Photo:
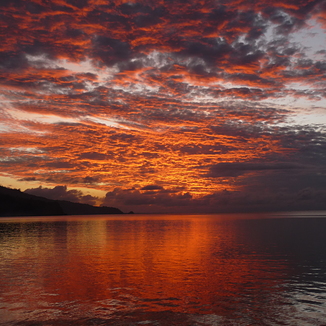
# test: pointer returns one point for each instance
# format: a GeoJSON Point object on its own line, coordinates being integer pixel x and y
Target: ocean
{"type": "Point", "coordinates": [233, 269]}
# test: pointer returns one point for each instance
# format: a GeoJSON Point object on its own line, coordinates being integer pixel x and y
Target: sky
{"type": "Point", "coordinates": [165, 106]}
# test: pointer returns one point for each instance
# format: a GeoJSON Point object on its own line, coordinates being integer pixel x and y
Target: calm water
{"type": "Point", "coordinates": [163, 270]}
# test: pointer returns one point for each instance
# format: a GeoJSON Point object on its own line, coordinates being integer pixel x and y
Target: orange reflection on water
{"type": "Point", "coordinates": [103, 266]}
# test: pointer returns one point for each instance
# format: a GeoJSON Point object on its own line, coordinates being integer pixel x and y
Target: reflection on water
{"type": "Point", "coordinates": [163, 270]}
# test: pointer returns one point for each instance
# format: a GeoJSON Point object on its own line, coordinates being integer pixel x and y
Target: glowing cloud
{"type": "Point", "coordinates": [151, 101]}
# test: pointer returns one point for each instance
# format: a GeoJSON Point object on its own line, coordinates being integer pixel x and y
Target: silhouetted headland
{"type": "Point", "coordinates": [16, 203]}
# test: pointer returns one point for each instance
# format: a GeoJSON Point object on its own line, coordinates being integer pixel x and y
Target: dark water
{"type": "Point", "coordinates": [163, 270]}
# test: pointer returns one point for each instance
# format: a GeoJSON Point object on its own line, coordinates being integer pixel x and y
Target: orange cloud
{"type": "Point", "coordinates": [132, 93]}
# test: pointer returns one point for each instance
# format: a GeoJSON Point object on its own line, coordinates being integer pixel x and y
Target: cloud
{"type": "Point", "coordinates": [62, 193]}
{"type": "Point", "coordinates": [200, 96]}
{"type": "Point", "coordinates": [109, 50]}
{"type": "Point", "coordinates": [152, 187]}
{"type": "Point", "coordinates": [93, 156]}
{"type": "Point", "coordinates": [258, 200]}
{"type": "Point", "coordinates": [264, 200]}
{"type": "Point", "coordinates": [146, 201]}
{"type": "Point", "coordinates": [235, 169]}
{"type": "Point", "coordinates": [91, 180]}
{"type": "Point", "coordinates": [28, 179]}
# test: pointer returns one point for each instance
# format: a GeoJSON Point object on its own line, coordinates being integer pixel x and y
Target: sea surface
{"type": "Point", "coordinates": [253, 269]}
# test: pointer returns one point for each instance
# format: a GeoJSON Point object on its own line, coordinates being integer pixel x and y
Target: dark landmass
{"type": "Point", "coordinates": [16, 203]}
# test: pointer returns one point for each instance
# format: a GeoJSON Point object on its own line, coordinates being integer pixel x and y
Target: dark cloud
{"type": "Point", "coordinates": [152, 187]}
{"type": "Point", "coordinates": [12, 61]}
{"type": "Point", "coordinates": [93, 156]}
{"type": "Point", "coordinates": [236, 169]}
{"type": "Point", "coordinates": [211, 51]}
{"type": "Point", "coordinates": [91, 180]}
{"type": "Point", "coordinates": [218, 202]}
{"type": "Point", "coordinates": [142, 201]}
{"type": "Point", "coordinates": [110, 51]}
{"type": "Point", "coordinates": [62, 193]}
{"type": "Point", "coordinates": [197, 149]}
{"type": "Point", "coordinates": [28, 179]}
{"type": "Point", "coordinates": [265, 200]}
{"type": "Point", "coordinates": [60, 165]}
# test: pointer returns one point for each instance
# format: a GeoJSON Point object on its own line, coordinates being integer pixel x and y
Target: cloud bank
{"type": "Point", "coordinates": [166, 104]}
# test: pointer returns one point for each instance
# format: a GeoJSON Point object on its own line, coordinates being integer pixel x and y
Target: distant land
{"type": "Point", "coordinates": [13, 202]}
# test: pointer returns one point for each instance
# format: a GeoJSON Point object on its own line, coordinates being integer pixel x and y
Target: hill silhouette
{"type": "Point", "coordinates": [13, 202]}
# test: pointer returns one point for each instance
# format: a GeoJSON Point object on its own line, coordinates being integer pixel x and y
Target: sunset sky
{"type": "Point", "coordinates": [165, 105]}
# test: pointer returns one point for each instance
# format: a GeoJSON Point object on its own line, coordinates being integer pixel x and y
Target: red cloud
{"type": "Point", "coordinates": [169, 89]}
